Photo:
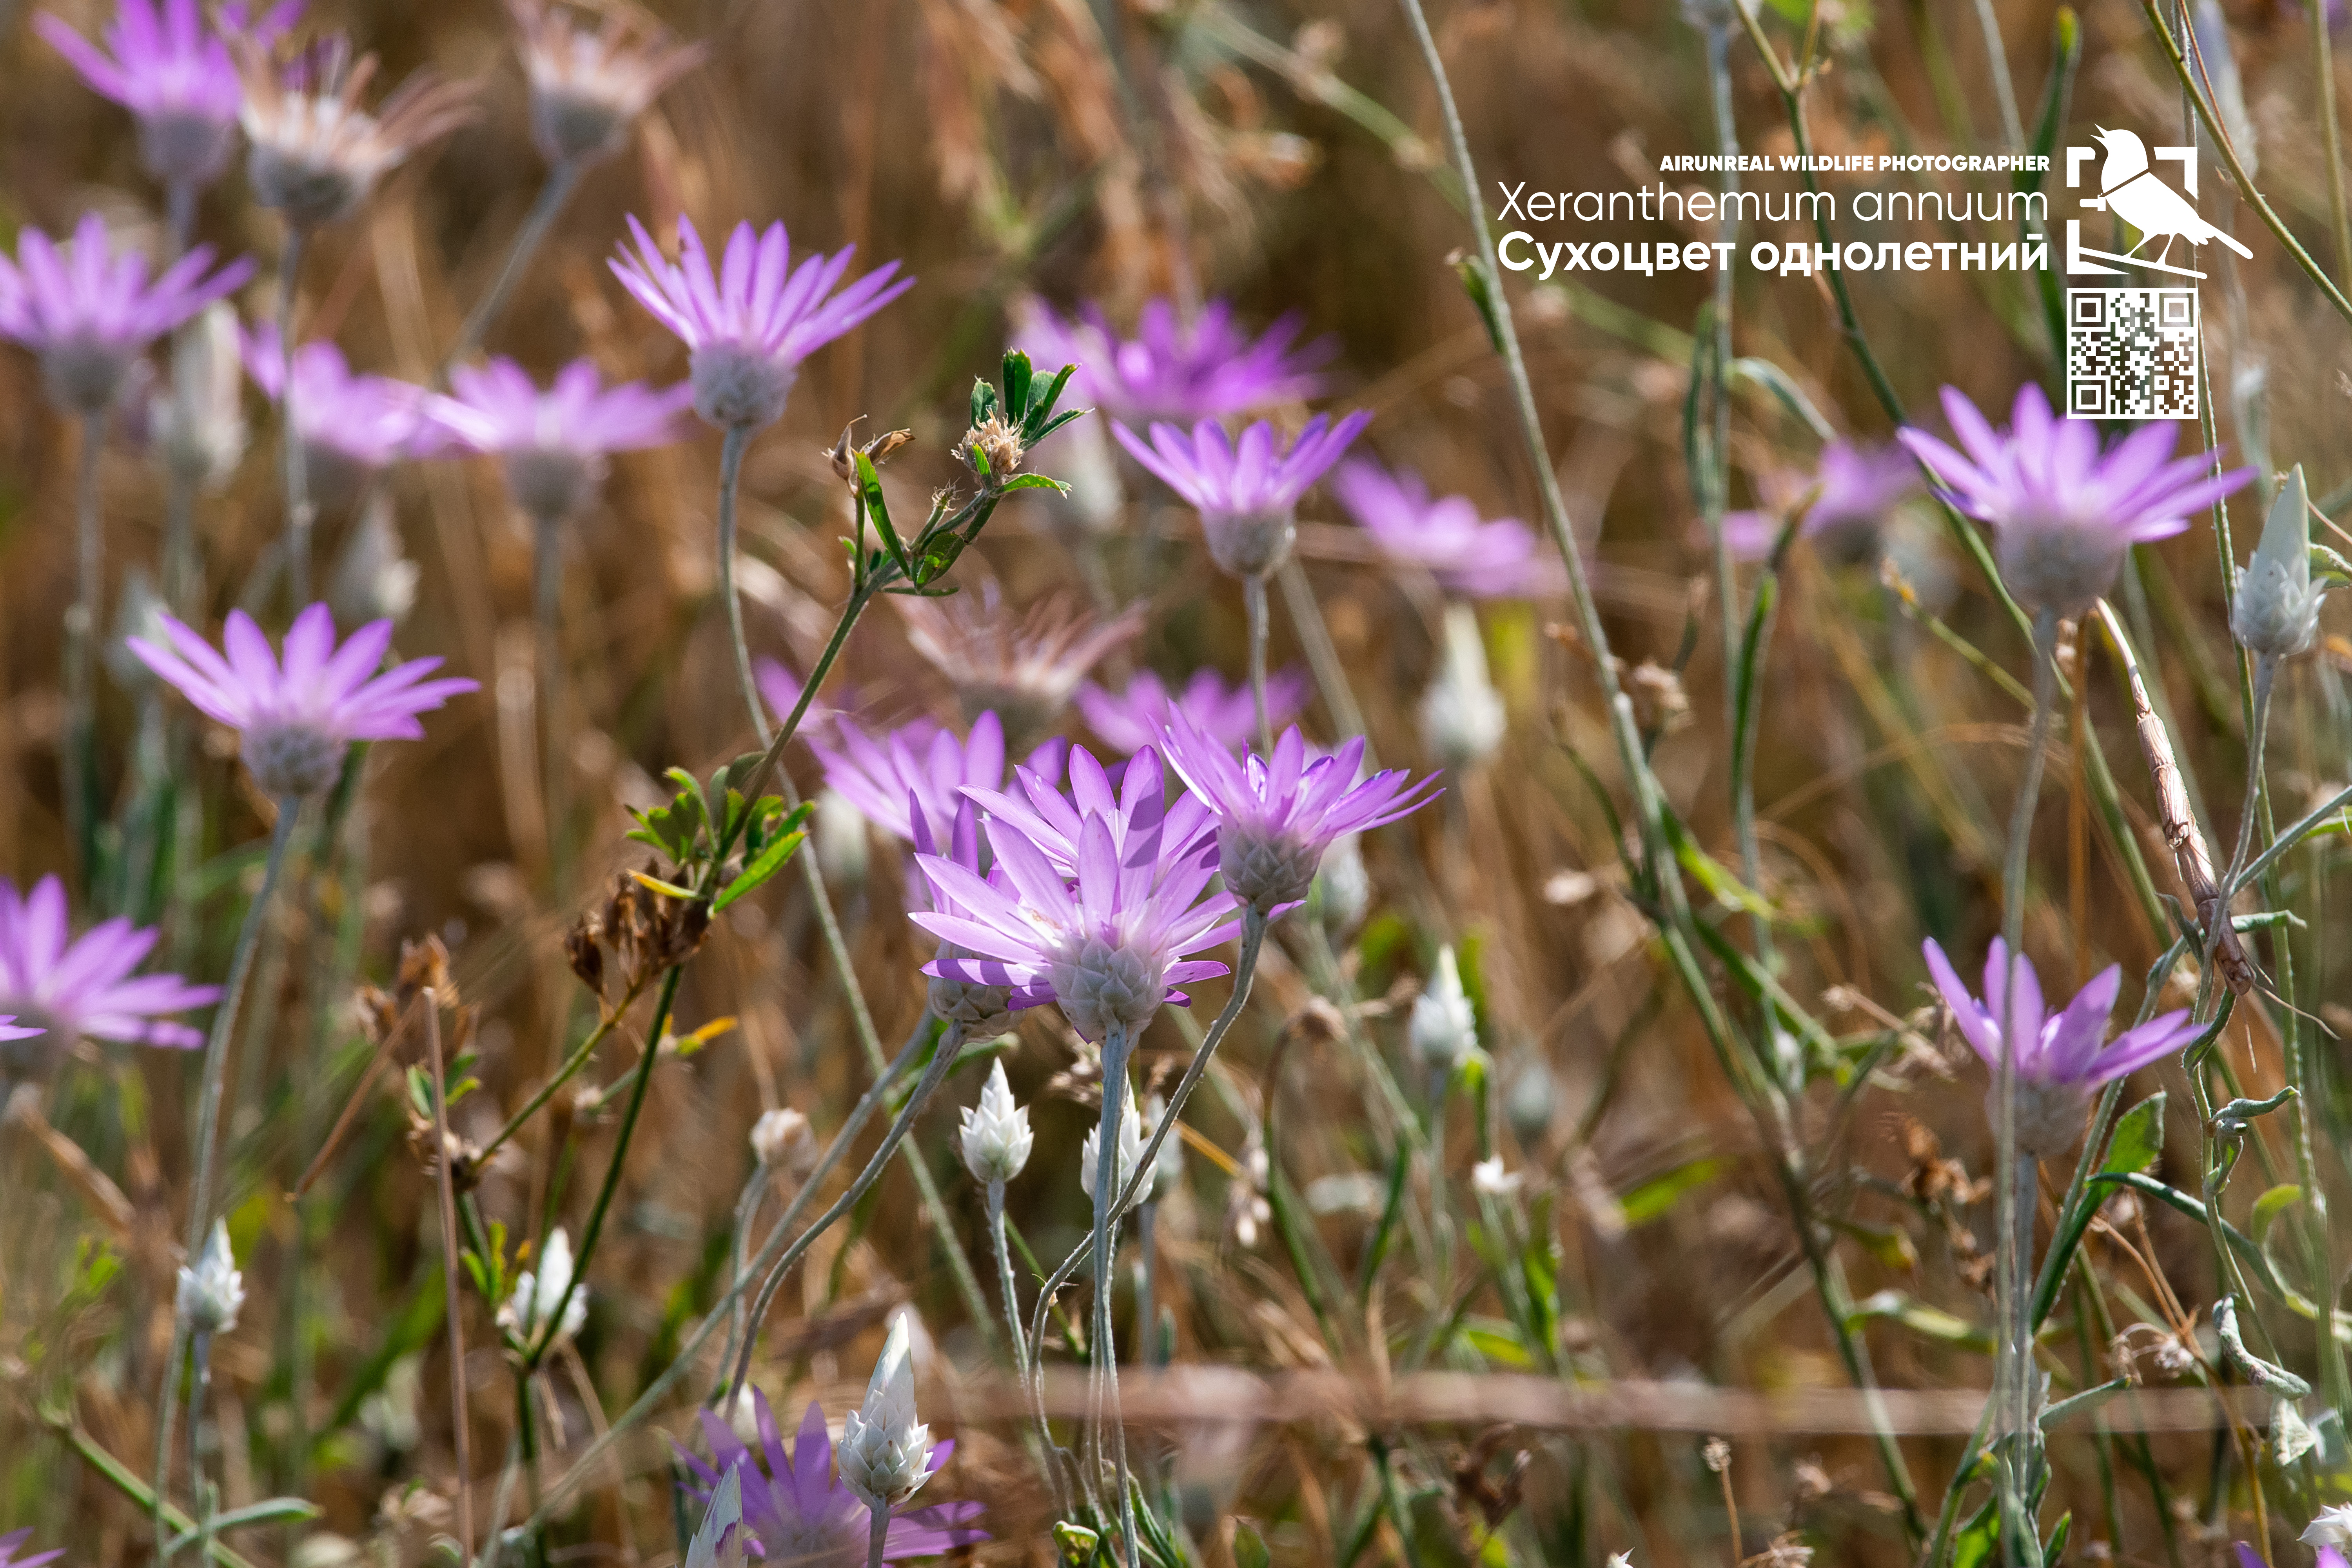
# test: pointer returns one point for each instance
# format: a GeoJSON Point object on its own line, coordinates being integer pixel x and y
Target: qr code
{"type": "Point", "coordinates": [2131, 353]}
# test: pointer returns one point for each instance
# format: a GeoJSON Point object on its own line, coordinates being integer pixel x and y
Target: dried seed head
{"type": "Point", "coordinates": [586, 957]}
{"type": "Point", "coordinates": [996, 441]}
{"type": "Point", "coordinates": [1659, 705]}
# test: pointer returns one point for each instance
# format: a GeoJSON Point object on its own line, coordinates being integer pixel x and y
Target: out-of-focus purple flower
{"type": "Point", "coordinates": [1245, 491]}
{"type": "Point", "coordinates": [350, 424]}
{"type": "Point", "coordinates": [315, 155]}
{"type": "Point", "coordinates": [174, 76]}
{"type": "Point", "coordinates": [1023, 665]}
{"type": "Point", "coordinates": [1277, 816]}
{"type": "Point", "coordinates": [751, 323]}
{"type": "Point", "coordinates": [918, 766]}
{"type": "Point", "coordinates": [64, 988]}
{"type": "Point", "coordinates": [1132, 719]}
{"type": "Point", "coordinates": [9, 1545]}
{"type": "Point", "coordinates": [2058, 1058]}
{"type": "Point", "coordinates": [1134, 806]}
{"type": "Point", "coordinates": [800, 1516]}
{"type": "Point", "coordinates": [297, 717]}
{"type": "Point", "coordinates": [89, 313]}
{"type": "Point", "coordinates": [1857, 487]}
{"type": "Point", "coordinates": [1174, 370]}
{"type": "Point", "coordinates": [2061, 512]}
{"type": "Point", "coordinates": [1109, 946]}
{"type": "Point", "coordinates": [555, 442]}
{"type": "Point", "coordinates": [588, 88]}
{"type": "Point", "coordinates": [1444, 536]}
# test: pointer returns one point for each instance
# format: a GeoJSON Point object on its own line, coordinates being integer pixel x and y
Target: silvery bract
{"type": "Point", "coordinates": [885, 1452]}
{"type": "Point", "coordinates": [2277, 611]}
{"type": "Point", "coordinates": [1462, 713]}
{"type": "Point", "coordinates": [536, 1294]}
{"type": "Point", "coordinates": [996, 1139]}
{"type": "Point", "coordinates": [780, 1136]}
{"type": "Point", "coordinates": [1131, 1146]}
{"type": "Point", "coordinates": [212, 1290]}
{"type": "Point", "coordinates": [1444, 1029]}
{"type": "Point", "coordinates": [718, 1542]}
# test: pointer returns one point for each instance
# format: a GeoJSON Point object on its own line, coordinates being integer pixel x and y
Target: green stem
{"type": "Point", "coordinates": [1253, 602]}
{"type": "Point", "coordinates": [564, 1074]}
{"type": "Point", "coordinates": [1322, 658]}
{"type": "Point", "coordinates": [547, 604]}
{"type": "Point", "coordinates": [299, 516]}
{"type": "Point", "coordinates": [730, 479]}
{"type": "Point", "coordinates": [78, 753]}
{"type": "Point", "coordinates": [446, 1190]}
{"type": "Point", "coordinates": [877, 1536]}
{"type": "Point", "coordinates": [1108, 1433]}
{"type": "Point", "coordinates": [553, 192]}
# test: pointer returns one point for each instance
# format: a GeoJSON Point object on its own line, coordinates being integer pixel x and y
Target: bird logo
{"type": "Point", "coordinates": [2130, 189]}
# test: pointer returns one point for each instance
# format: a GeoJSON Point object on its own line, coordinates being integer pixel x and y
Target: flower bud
{"type": "Point", "coordinates": [536, 1294]}
{"type": "Point", "coordinates": [197, 421]}
{"type": "Point", "coordinates": [2276, 614]}
{"type": "Point", "coordinates": [782, 1139]}
{"type": "Point", "coordinates": [1462, 715]}
{"type": "Point", "coordinates": [1342, 889]}
{"type": "Point", "coordinates": [213, 1290]}
{"type": "Point", "coordinates": [373, 580]}
{"type": "Point", "coordinates": [996, 1139]}
{"type": "Point", "coordinates": [841, 851]}
{"type": "Point", "coordinates": [885, 1452]}
{"type": "Point", "coordinates": [1130, 1146]}
{"type": "Point", "coordinates": [1444, 1029]}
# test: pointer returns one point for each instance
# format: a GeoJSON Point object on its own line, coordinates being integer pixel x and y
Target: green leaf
{"type": "Point", "coordinates": [939, 554]}
{"type": "Point", "coordinates": [768, 861]}
{"type": "Point", "coordinates": [1249, 1547]}
{"type": "Point", "coordinates": [1055, 423]}
{"type": "Point", "coordinates": [1496, 1343]}
{"type": "Point", "coordinates": [667, 890]}
{"type": "Point", "coordinates": [1017, 374]}
{"type": "Point", "coordinates": [272, 1510]}
{"type": "Point", "coordinates": [689, 788]}
{"type": "Point", "coordinates": [2270, 1205]}
{"type": "Point", "coordinates": [869, 486]}
{"type": "Point", "coordinates": [1034, 482]}
{"type": "Point", "coordinates": [1474, 284]}
{"type": "Point", "coordinates": [1791, 396]}
{"type": "Point", "coordinates": [2081, 1404]}
{"type": "Point", "coordinates": [2139, 1137]}
{"type": "Point", "coordinates": [1077, 1542]}
{"type": "Point", "coordinates": [1040, 406]}
{"type": "Point", "coordinates": [983, 402]}
{"type": "Point", "coordinates": [1652, 1199]}
{"type": "Point", "coordinates": [1889, 1243]}
{"type": "Point", "coordinates": [1929, 1322]}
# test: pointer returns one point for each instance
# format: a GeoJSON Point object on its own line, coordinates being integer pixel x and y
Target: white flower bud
{"type": "Point", "coordinates": [1462, 717]}
{"type": "Point", "coordinates": [1131, 1146]}
{"type": "Point", "coordinates": [373, 581]}
{"type": "Point", "coordinates": [213, 1290]}
{"type": "Point", "coordinates": [198, 419]}
{"type": "Point", "coordinates": [1488, 1179]}
{"type": "Point", "coordinates": [842, 850]}
{"type": "Point", "coordinates": [782, 1139]}
{"type": "Point", "coordinates": [885, 1452]}
{"type": "Point", "coordinates": [2329, 1527]}
{"type": "Point", "coordinates": [997, 1138]}
{"type": "Point", "coordinates": [2276, 614]}
{"type": "Point", "coordinates": [1343, 889]}
{"type": "Point", "coordinates": [138, 614]}
{"type": "Point", "coordinates": [536, 1294]}
{"type": "Point", "coordinates": [1444, 1027]}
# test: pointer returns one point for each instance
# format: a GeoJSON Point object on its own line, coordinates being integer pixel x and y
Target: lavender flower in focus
{"type": "Point", "coordinates": [174, 76]}
{"type": "Point", "coordinates": [295, 719]}
{"type": "Point", "coordinates": [983, 1010]}
{"type": "Point", "coordinates": [351, 425]}
{"type": "Point", "coordinates": [1275, 816]}
{"type": "Point", "coordinates": [749, 324]}
{"type": "Point", "coordinates": [555, 442]}
{"type": "Point", "coordinates": [10, 1544]}
{"type": "Point", "coordinates": [799, 1515]}
{"type": "Point", "coordinates": [1129, 720]}
{"type": "Point", "coordinates": [1854, 488]}
{"type": "Point", "coordinates": [588, 88]}
{"type": "Point", "coordinates": [1024, 666]}
{"type": "Point", "coordinates": [88, 313]}
{"type": "Point", "coordinates": [1245, 493]}
{"type": "Point", "coordinates": [2058, 1056]}
{"type": "Point", "coordinates": [1174, 370]}
{"type": "Point", "coordinates": [1444, 536]}
{"type": "Point", "coordinates": [2061, 512]}
{"type": "Point", "coordinates": [1137, 811]}
{"type": "Point", "coordinates": [315, 153]}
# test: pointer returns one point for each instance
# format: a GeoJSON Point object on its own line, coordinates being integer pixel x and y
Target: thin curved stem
{"type": "Point", "coordinates": [208, 1106]}
{"type": "Point", "coordinates": [553, 192]}
{"type": "Point", "coordinates": [1322, 657]}
{"type": "Point", "coordinates": [547, 604]}
{"type": "Point", "coordinates": [2266, 674]}
{"type": "Point", "coordinates": [1102, 1344]}
{"type": "Point", "coordinates": [1253, 602]}
{"type": "Point", "coordinates": [730, 479]}
{"type": "Point", "coordinates": [747, 1208]}
{"type": "Point", "coordinates": [78, 757]}
{"type": "Point", "coordinates": [446, 1189]}
{"type": "Point", "coordinates": [299, 516]}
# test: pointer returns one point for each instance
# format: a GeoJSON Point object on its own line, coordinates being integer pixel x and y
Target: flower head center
{"type": "Point", "coordinates": [293, 759]}
{"type": "Point", "coordinates": [737, 385]}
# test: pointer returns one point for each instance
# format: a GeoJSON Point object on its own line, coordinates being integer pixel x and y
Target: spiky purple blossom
{"type": "Point", "coordinates": [1856, 486]}
{"type": "Point", "coordinates": [1275, 816]}
{"type": "Point", "coordinates": [297, 717]}
{"type": "Point", "coordinates": [89, 313]}
{"type": "Point", "coordinates": [1443, 535]}
{"type": "Point", "coordinates": [350, 424]}
{"type": "Point", "coordinates": [2063, 512]}
{"type": "Point", "coordinates": [1178, 370]}
{"type": "Point", "coordinates": [555, 442]}
{"type": "Point", "coordinates": [751, 323]}
{"type": "Point", "coordinates": [1130, 720]}
{"type": "Point", "coordinates": [587, 87]}
{"type": "Point", "coordinates": [1247, 492]}
{"type": "Point", "coordinates": [173, 74]}
{"type": "Point", "coordinates": [315, 155]}
{"type": "Point", "coordinates": [1134, 806]}
{"type": "Point", "coordinates": [796, 1512]}
{"type": "Point", "coordinates": [2058, 1058]}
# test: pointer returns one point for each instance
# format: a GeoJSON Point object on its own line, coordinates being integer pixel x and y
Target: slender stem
{"type": "Point", "coordinates": [730, 479]}
{"type": "Point", "coordinates": [2265, 673]}
{"type": "Point", "coordinates": [2013, 127]}
{"type": "Point", "coordinates": [943, 1058]}
{"type": "Point", "coordinates": [563, 1075]}
{"type": "Point", "coordinates": [79, 756]}
{"type": "Point", "coordinates": [207, 1122]}
{"type": "Point", "coordinates": [447, 1187]}
{"type": "Point", "coordinates": [1102, 1344]}
{"type": "Point", "coordinates": [2323, 76]}
{"type": "Point", "coordinates": [180, 213]}
{"type": "Point", "coordinates": [747, 1208]}
{"type": "Point", "coordinates": [298, 515]}
{"type": "Point", "coordinates": [1004, 1281]}
{"type": "Point", "coordinates": [878, 1536]}
{"type": "Point", "coordinates": [1322, 658]}
{"type": "Point", "coordinates": [1253, 602]}
{"type": "Point", "coordinates": [553, 192]}
{"type": "Point", "coordinates": [547, 603]}
{"type": "Point", "coordinates": [200, 1392]}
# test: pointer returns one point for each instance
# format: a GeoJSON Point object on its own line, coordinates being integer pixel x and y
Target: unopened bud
{"type": "Point", "coordinates": [780, 1139]}
{"type": "Point", "coordinates": [996, 1139]}
{"type": "Point", "coordinates": [212, 1290]}
{"type": "Point", "coordinates": [2276, 614]}
{"type": "Point", "coordinates": [885, 1452]}
{"type": "Point", "coordinates": [1444, 1027]}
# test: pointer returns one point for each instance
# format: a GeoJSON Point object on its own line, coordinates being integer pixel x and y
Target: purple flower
{"type": "Point", "coordinates": [919, 767]}
{"type": "Point", "coordinates": [1134, 806]}
{"type": "Point", "coordinates": [1021, 665]}
{"type": "Point", "coordinates": [2061, 512]}
{"type": "Point", "coordinates": [2058, 1056]}
{"type": "Point", "coordinates": [1244, 492]}
{"type": "Point", "coordinates": [983, 1010]}
{"type": "Point", "coordinates": [799, 1516]}
{"type": "Point", "coordinates": [350, 424]}
{"type": "Point", "coordinates": [751, 325]}
{"type": "Point", "coordinates": [1446, 537]}
{"type": "Point", "coordinates": [8, 1558]}
{"type": "Point", "coordinates": [88, 313]}
{"type": "Point", "coordinates": [295, 719]}
{"type": "Point", "coordinates": [1129, 720]}
{"type": "Point", "coordinates": [1276, 817]}
{"type": "Point", "coordinates": [1177, 371]}
{"type": "Point", "coordinates": [555, 442]}
{"type": "Point", "coordinates": [1110, 947]}
{"type": "Point", "coordinates": [82, 988]}
{"type": "Point", "coordinates": [1856, 486]}
{"type": "Point", "coordinates": [174, 76]}
{"type": "Point", "coordinates": [587, 87]}
{"type": "Point", "coordinates": [316, 154]}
